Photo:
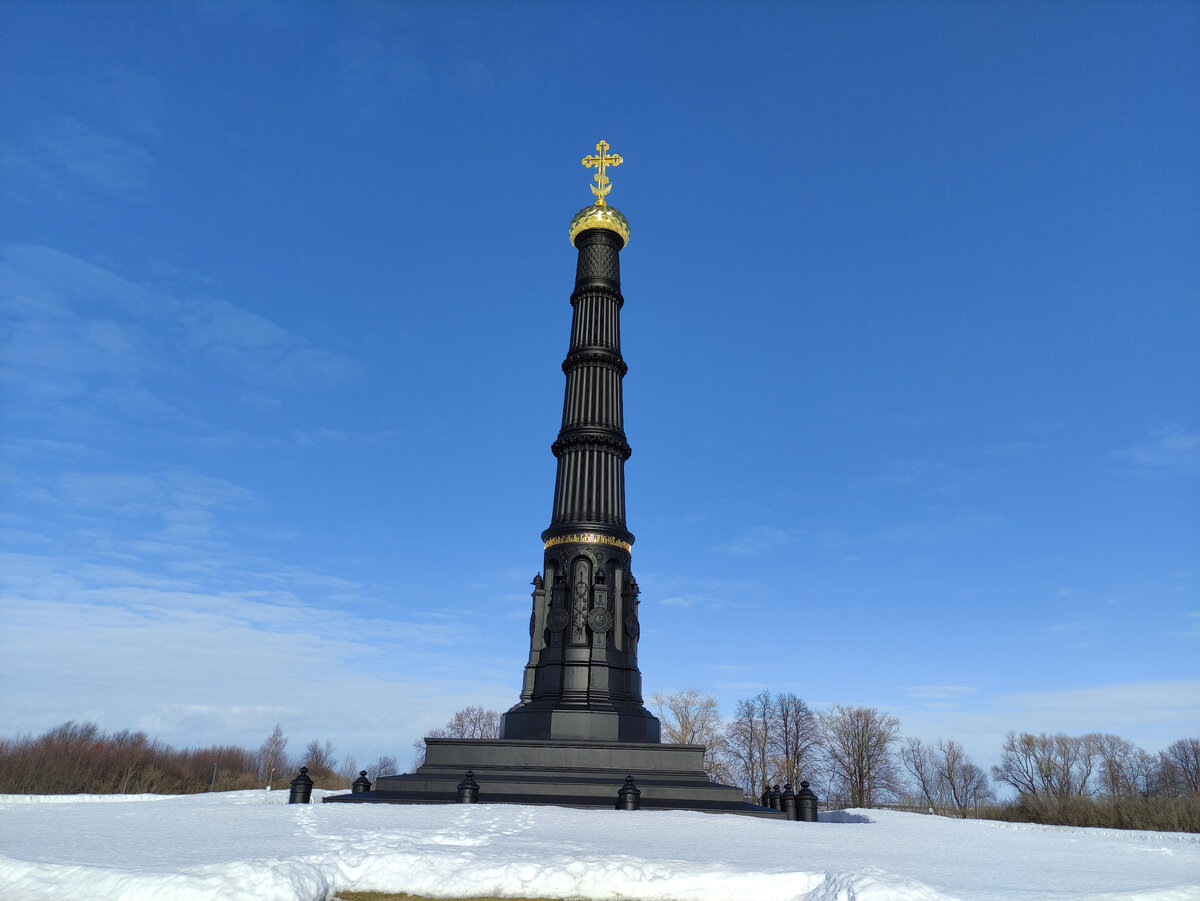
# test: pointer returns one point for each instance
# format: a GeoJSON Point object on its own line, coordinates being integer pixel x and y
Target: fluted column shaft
{"type": "Point", "coordinates": [582, 680]}
{"type": "Point", "coordinates": [589, 488]}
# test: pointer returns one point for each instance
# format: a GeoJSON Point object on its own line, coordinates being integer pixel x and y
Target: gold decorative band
{"type": "Point", "coordinates": [589, 538]}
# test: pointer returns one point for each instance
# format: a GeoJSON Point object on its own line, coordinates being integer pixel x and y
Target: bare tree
{"type": "Point", "coordinates": [470, 722]}
{"type": "Point", "coordinates": [857, 742]}
{"type": "Point", "coordinates": [348, 771]}
{"type": "Point", "coordinates": [794, 737]}
{"type": "Point", "coordinates": [1183, 762]}
{"type": "Point", "coordinates": [273, 756]}
{"type": "Point", "coordinates": [1048, 767]}
{"type": "Point", "coordinates": [748, 741]}
{"type": "Point", "coordinates": [1120, 762]}
{"type": "Point", "coordinates": [384, 766]}
{"type": "Point", "coordinates": [473, 722]}
{"type": "Point", "coordinates": [691, 717]}
{"type": "Point", "coordinates": [944, 775]}
{"type": "Point", "coordinates": [962, 783]}
{"type": "Point", "coordinates": [320, 760]}
{"type": "Point", "coordinates": [917, 758]}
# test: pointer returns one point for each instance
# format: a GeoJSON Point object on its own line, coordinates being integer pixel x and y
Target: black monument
{"type": "Point", "coordinates": [580, 727]}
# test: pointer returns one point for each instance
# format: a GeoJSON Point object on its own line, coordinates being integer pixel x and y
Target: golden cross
{"type": "Point", "coordinates": [600, 161]}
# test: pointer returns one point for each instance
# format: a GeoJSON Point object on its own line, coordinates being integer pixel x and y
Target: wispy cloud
{"type": "Point", "coordinates": [379, 68]}
{"type": "Point", "coordinates": [952, 525]}
{"type": "Point", "coordinates": [1192, 624]}
{"type": "Point", "coordinates": [1015, 448]}
{"type": "Point", "coordinates": [699, 593]}
{"type": "Point", "coordinates": [1151, 714]}
{"type": "Point", "coordinates": [761, 540]}
{"type": "Point", "coordinates": [86, 344]}
{"type": "Point", "coordinates": [196, 663]}
{"type": "Point", "coordinates": [683, 600]}
{"type": "Point", "coordinates": [326, 436]}
{"type": "Point", "coordinates": [1171, 451]}
{"type": "Point", "coordinates": [69, 158]}
{"type": "Point", "coordinates": [1106, 707]}
{"type": "Point", "coordinates": [938, 692]}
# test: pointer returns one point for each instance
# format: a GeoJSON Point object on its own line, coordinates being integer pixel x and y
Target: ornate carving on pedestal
{"type": "Point", "coordinates": [600, 620]}
{"type": "Point", "coordinates": [557, 619]}
{"type": "Point", "coordinates": [579, 613]}
{"type": "Point", "coordinates": [632, 629]}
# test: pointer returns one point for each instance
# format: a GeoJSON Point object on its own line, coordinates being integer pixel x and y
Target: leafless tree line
{"type": "Point", "coordinates": [854, 756]}
{"type": "Point", "coordinates": [944, 777]}
{"type": "Point", "coordinates": [1102, 780]}
{"type": "Point", "coordinates": [80, 758]}
{"type": "Point", "coordinates": [775, 739]}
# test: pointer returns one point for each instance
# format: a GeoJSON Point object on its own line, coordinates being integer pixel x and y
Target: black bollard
{"type": "Point", "coordinates": [468, 790]}
{"type": "Point", "coordinates": [787, 801]}
{"type": "Point", "coordinates": [361, 784]}
{"type": "Point", "coordinates": [773, 797]}
{"type": "Point", "coordinates": [629, 796]}
{"type": "Point", "coordinates": [301, 792]}
{"type": "Point", "coordinates": [806, 804]}
{"type": "Point", "coordinates": [765, 800]}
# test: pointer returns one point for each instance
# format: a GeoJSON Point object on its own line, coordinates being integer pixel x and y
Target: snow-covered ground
{"type": "Point", "coordinates": [252, 844]}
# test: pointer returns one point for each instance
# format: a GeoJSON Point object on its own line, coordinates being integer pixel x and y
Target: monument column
{"type": "Point", "coordinates": [579, 730]}
{"type": "Point", "coordinates": [582, 680]}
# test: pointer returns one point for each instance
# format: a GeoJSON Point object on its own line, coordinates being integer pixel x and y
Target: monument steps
{"type": "Point", "coordinates": [566, 773]}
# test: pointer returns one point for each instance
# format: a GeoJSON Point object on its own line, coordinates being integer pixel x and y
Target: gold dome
{"type": "Point", "coordinates": [600, 216]}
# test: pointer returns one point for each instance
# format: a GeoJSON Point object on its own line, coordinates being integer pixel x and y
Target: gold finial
{"type": "Point", "coordinates": [600, 214]}
{"type": "Point", "coordinates": [600, 161]}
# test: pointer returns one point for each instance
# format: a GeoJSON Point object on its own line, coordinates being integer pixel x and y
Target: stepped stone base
{"type": "Point", "coordinates": [564, 773]}
{"type": "Point", "coordinates": [555, 724]}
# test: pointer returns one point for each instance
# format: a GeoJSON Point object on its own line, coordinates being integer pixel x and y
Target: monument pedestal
{"type": "Point", "coordinates": [556, 723]}
{"type": "Point", "coordinates": [563, 772]}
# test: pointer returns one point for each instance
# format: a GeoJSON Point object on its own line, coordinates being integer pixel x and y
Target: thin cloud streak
{"type": "Point", "coordinates": [1169, 452]}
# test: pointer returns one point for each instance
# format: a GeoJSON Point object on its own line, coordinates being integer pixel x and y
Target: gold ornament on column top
{"type": "Point", "coordinates": [600, 161]}
{"type": "Point", "coordinates": [600, 214]}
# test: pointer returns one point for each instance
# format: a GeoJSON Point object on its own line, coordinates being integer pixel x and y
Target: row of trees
{"type": "Point", "coordinates": [845, 752]}
{"type": "Point", "coordinates": [79, 757]}
{"type": "Point", "coordinates": [855, 756]}
{"type": "Point", "coordinates": [852, 755]}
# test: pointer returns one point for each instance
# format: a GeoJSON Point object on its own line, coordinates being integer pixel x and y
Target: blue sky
{"type": "Point", "coordinates": [911, 318]}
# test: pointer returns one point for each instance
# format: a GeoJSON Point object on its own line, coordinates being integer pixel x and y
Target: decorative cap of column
{"type": "Point", "coordinates": [600, 214]}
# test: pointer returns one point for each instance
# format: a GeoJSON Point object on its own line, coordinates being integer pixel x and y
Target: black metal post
{"type": "Point", "coordinates": [773, 797]}
{"type": "Point", "coordinates": [301, 792]}
{"type": "Point", "coordinates": [787, 802]}
{"type": "Point", "coordinates": [468, 789]}
{"type": "Point", "coordinates": [806, 804]}
{"type": "Point", "coordinates": [629, 797]}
